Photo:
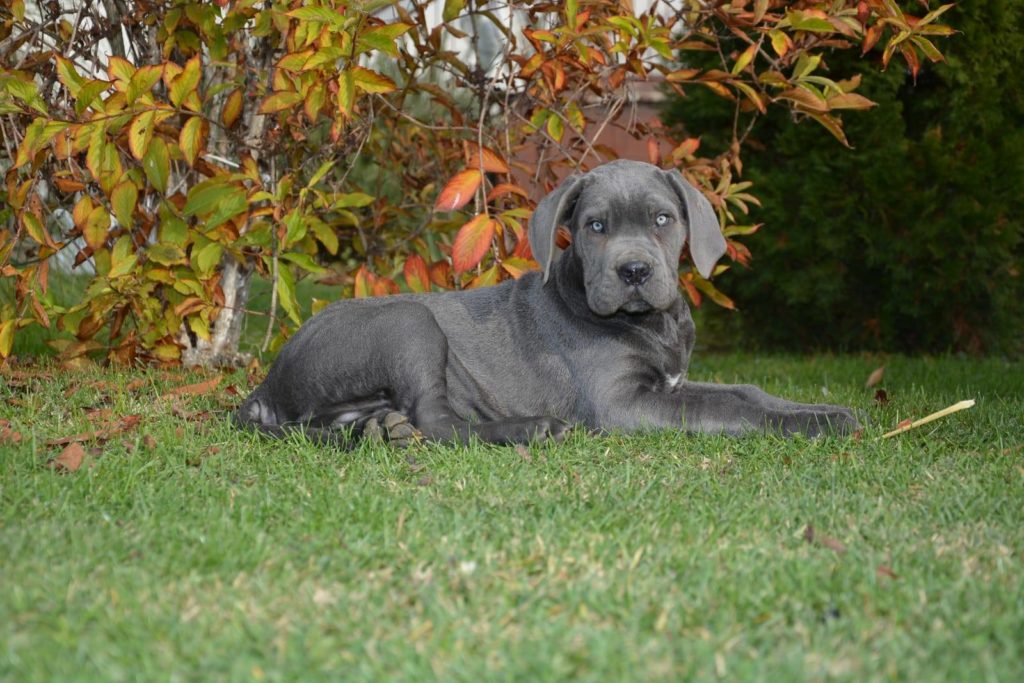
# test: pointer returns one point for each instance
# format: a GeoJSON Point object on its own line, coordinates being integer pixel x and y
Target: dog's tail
{"type": "Point", "coordinates": [252, 416]}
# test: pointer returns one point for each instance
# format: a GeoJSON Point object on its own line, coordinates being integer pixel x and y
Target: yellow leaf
{"type": "Point", "coordinates": [123, 200]}
{"type": "Point", "coordinates": [191, 139]}
{"type": "Point", "coordinates": [7, 337]}
{"type": "Point", "coordinates": [232, 109]}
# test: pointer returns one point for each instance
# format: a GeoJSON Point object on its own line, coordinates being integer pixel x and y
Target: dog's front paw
{"type": "Point", "coordinates": [826, 420]}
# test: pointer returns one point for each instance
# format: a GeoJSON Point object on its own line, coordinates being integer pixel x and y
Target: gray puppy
{"type": "Point", "coordinates": [600, 337]}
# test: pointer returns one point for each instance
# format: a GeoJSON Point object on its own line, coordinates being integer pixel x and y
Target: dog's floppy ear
{"type": "Point", "coordinates": [550, 212]}
{"type": "Point", "coordinates": [705, 236]}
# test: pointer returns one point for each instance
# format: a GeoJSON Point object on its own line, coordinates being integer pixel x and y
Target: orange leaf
{"type": "Point", "coordinates": [441, 274]}
{"type": "Point", "coordinates": [491, 161]}
{"type": "Point", "coordinates": [875, 377]}
{"type": "Point", "coordinates": [197, 389]}
{"type": "Point", "coordinates": [459, 190]}
{"type": "Point", "coordinates": [504, 189]}
{"type": "Point", "coordinates": [416, 275]}
{"type": "Point", "coordinates": [653, 152]}
{"type": "Point", "coordinates": [472, 242]}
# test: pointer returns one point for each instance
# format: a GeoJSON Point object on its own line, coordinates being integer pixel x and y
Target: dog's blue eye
{"type": "Point", "coordinates": [662, 219]}
{"type": "Point", "coordinates": [597, 226]}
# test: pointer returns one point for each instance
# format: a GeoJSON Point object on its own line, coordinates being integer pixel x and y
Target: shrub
{"type": "Point", "coordinates": [913, 240]}
{"type": "Point", "coordinates": [179, 147]}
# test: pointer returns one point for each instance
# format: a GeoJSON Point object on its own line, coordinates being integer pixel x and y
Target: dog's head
{"type": "Point", "coordinates": [629, 221]}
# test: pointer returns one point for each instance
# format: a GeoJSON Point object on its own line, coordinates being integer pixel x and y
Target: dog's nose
{"type": "Point", "coordinates": [634, 272]}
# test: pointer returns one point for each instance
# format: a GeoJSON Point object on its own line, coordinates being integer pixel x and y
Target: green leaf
{"type": "Point", "coordinates": [346, 92]}
{"type": "Point", "coordinates": [140, 132]}
{"type": "Point", "coordinates": [207, 259]}
{"type": "Point", "coordinates": [123, 200]}
{"type": "Point", "coordinates": [351, 199]}
{"type": "Point", "coordinates": [186, 82]}
{"type": "Point", "coordinates": [381, 38]}
{"type": "Point", "coordinates": [323, 15]}
{"type": "Point", "coordinates": [157, 164]}
{"type": "Point", "coordinates": [286, 294]}
{"type": "Point", "coordinates": [556, 128]}
{"type": "Point", "coordinates": [295, 228]}
{"type": "Point", "coordinates": [279, 101]}
{"type": "Point", "coordinates": [166, 254]}
{"type": "Point", "coordinates": [371, 81]}
{"type": "Point", "coordinates": [320, 172]}
{"type": "Point", "coordinates": [191, 139]}
{"type": "Point", "coordinates": [304, 261]}
{"type": "Point", "coordinates": [452, 9]}
{"type": "Point", "coordinates": [96, 227]}
{"type": "Point", "coordinates": [143, 81]}
{"type": "Point", "coordinates": [122, 257]}
{"type": "Point", "coordinates": [325, 235]}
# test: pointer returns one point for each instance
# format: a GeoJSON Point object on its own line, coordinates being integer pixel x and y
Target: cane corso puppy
{"type": "Point", "coordinates": [599, 337]}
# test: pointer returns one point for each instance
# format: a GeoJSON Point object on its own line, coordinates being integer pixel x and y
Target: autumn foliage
{"type": "Point", "coordinates": [371, 145]}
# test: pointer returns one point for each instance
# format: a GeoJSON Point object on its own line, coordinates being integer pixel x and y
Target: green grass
{"type": "Point", "coordinates": [216, 555]}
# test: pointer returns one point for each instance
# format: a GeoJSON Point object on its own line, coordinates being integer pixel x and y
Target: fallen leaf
{"type": "Point", "coordinates": [196, 389]}
{"type": "Point", "coordinates": [523, 452]}
{"type": "Point", "coordinates": [886, 572]}
{"type": "Point", "coordinates": [104, 432]}
{"type": "Point", "coordinates": [881, 397]}
{"type": "Point", "coordinates": [70, 459]}
{"type": "Point", "coordinates": [149, 442]}
{"type": "Point", "coordinates": [875, 377]}
{"type": "Point", "coordinates": [833, 544]}
{"type": "Point", "coordinates": [8, 435]}
{"type": "Point", "coordinates": [424, 481]}
{"type": "Point", "coordinates": [232, 389]}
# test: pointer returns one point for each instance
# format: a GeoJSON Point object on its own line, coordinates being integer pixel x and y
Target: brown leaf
{"type": "Point", "coordinates": [875, 377]}
{"type": "Point", "coordinates": [103, 433]}
{"type": "Point", "coordinates": [881, 397]}
{"type": "Point", "coordinates": [70, 459]}
{"type": "Point", "coordinates": [149, 442]}
{"type": "Point", "coordinates": [833, 544]}
{"type": "Point", "coordinates": [884, 571]}
{"type": "Point", "coordinates": [8, 435]}
{"type": "Point", "coordinates": [523, 452]}
{"type": "Point", "coordinates": [196, 389]}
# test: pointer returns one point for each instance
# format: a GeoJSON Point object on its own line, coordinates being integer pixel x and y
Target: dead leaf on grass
{"type": "Point", "coordinates": [70, 459]}
{"type": "Point", "coordinates": [881, 397]}
{"type": "Point", "coordinates": [105, 432]}
{"type": "Point", "coordinates": [197, 389]}
{"type": "Point", "coordinates": [875, 377]}
{"type": "Point", "coordinates": [149, 442]}
{"type": "Point", "coordinates": [884, 571]}
{"type": "Point", "coordinates": [523, 452]}
{"type": "Point", "coordinates": [825, 541]}
{"type": "Point", "coordinates": [8, 435]}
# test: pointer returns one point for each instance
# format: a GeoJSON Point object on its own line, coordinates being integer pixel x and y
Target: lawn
{"type": "Point", "coordinates": [184, 550]}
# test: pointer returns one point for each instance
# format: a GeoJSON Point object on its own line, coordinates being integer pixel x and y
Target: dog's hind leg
{"type": "Point", "coordinates": [418, 361]}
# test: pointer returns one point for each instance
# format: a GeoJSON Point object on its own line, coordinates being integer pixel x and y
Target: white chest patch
{"type": "Point", "coordinates": [672, 381]}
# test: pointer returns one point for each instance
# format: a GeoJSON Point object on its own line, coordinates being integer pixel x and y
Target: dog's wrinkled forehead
{"type": "Point", "coordinates": [624, 188]}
